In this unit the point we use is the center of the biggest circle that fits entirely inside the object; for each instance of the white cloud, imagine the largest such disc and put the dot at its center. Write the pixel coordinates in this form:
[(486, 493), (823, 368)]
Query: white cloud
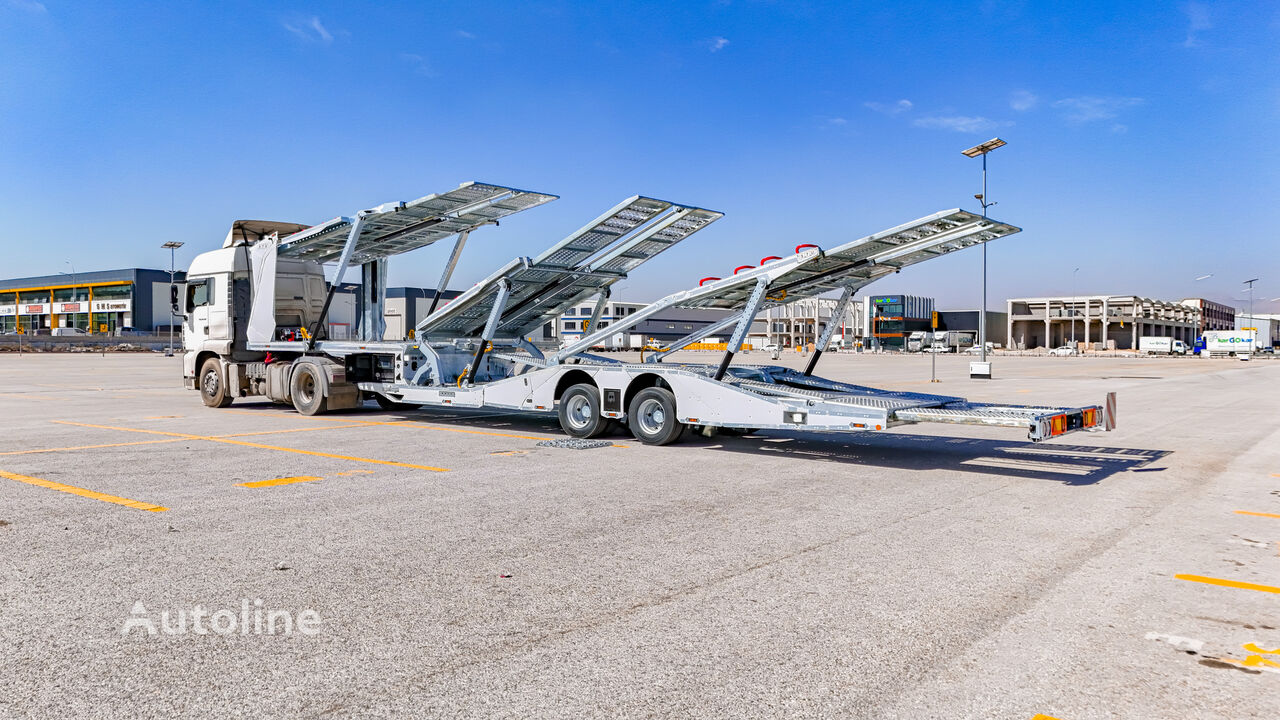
[(1089, 108), (310, 29), (717, 43), (960, 123), (893, 109), (1197, 20), (465, 35), (1023, 100), (418, 63), (30, 6)]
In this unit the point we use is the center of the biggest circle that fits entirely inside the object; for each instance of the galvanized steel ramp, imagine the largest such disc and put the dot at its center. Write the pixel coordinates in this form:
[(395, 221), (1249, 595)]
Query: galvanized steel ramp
[(582, 265), (860, 262), (394, 228)]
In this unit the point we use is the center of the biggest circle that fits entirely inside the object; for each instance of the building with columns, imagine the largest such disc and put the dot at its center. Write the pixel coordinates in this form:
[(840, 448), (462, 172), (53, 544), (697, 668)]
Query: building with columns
[(1101, 322)]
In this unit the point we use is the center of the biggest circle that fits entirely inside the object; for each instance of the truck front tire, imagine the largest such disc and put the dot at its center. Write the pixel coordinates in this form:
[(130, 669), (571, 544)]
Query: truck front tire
[(652, 417), (213, 388), (309, 389)]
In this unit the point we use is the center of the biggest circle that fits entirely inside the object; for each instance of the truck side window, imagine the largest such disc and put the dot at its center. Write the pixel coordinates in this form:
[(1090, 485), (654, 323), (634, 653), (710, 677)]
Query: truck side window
[(197, 294)]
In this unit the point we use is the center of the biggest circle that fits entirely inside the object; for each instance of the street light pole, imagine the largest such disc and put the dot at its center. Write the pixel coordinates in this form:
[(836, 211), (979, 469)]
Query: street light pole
[(1252, 322), (171, 246), (1075, 298), (984, 149)]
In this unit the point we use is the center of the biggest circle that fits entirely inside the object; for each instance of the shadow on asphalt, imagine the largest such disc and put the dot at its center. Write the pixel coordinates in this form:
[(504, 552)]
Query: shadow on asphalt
[(1067, 464)]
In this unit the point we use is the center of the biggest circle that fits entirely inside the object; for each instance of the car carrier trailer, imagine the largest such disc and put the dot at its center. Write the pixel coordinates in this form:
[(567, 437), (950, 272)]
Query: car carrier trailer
[(255, 312)]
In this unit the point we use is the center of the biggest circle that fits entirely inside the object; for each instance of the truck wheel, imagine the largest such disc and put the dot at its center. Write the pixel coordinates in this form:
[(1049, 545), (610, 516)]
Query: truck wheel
[(652, 417), (213, 391), (309, 389), (580, 412)]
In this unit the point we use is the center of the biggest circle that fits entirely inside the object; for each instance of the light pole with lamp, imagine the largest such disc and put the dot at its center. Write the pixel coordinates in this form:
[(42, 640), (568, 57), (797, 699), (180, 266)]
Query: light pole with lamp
[(1075, 298), (982, 368), (1253, 323), (171, 246)]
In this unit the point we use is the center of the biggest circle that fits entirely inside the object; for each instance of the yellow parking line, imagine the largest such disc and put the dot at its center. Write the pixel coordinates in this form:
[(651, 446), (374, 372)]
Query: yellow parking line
[(1043, 717), (1259, 514), (290, 430), (91, 494), (399, 423), (1228, 583), (256, 445), (89, 447), (280, 481)]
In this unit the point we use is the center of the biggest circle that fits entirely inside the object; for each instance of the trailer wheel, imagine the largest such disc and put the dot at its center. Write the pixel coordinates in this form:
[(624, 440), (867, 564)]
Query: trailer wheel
[(652, 417), (213, 391), (309, 389), (580, 412)]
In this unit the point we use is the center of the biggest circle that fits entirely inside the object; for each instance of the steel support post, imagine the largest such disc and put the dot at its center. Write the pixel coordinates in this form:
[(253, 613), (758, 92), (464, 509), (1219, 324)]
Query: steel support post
[(594, 322), (745, 319), (692, 338), (490, 327), (343, 260), (841, 306), (443, 285)]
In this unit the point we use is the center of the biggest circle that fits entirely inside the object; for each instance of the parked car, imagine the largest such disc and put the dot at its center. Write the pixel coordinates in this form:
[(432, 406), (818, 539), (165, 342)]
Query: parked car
[(126, 331), (1063, 351), (68, 331)]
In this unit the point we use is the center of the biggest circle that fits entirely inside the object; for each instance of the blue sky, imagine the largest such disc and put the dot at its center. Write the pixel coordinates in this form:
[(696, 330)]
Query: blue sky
[(1143, 136)]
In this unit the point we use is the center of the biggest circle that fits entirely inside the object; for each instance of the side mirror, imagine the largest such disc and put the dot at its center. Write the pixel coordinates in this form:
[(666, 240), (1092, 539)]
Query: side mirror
[(175, 302)]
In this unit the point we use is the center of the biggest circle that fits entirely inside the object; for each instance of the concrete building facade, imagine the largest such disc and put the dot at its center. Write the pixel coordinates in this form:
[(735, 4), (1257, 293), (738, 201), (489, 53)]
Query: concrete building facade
[(1213, 315), (1101, 322), (802, 322)]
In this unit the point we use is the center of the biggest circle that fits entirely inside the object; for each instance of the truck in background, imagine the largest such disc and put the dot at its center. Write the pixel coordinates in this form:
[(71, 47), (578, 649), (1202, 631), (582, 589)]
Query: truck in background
[(1161, 346), (1228, 343)]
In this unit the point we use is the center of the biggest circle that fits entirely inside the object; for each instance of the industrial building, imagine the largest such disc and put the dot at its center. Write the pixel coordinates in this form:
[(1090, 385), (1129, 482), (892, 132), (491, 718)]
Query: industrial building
[(967, 321), (1213, 315), (100, 302), (800, 323), (1266, 328), (1101, 322), (887, 320)]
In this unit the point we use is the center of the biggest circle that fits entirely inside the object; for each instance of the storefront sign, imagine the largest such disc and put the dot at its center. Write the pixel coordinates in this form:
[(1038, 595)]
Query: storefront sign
[(32, 309), (6, 310), (71, 307), (112, 305)]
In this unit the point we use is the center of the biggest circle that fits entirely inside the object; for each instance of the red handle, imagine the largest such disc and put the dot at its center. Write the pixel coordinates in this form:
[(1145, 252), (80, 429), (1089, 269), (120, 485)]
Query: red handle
[(703, 280), (804, 245), (764, 260), (740, 268)]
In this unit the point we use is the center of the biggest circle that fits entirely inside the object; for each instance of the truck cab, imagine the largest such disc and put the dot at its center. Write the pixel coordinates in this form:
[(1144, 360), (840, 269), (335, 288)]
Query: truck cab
[(218, 301)]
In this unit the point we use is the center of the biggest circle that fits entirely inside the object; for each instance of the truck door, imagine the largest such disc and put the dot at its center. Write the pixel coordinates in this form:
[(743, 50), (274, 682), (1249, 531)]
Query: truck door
[(198, 309)]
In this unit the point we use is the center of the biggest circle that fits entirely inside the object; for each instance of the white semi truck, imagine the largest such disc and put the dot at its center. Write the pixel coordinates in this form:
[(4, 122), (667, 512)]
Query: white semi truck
[(255, 324)]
